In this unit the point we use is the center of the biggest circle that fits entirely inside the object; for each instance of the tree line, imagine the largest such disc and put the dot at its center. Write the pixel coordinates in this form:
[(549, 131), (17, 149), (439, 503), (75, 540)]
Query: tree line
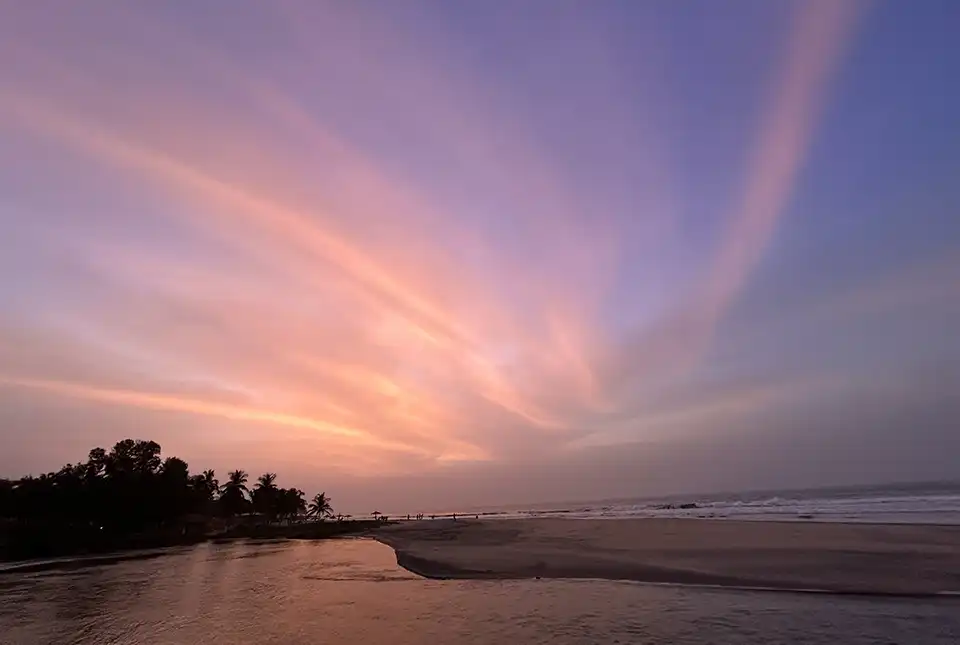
[(132, 491)]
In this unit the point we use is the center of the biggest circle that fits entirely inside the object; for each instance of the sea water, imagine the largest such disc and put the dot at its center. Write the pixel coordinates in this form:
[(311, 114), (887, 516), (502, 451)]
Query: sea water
[(925, 503)]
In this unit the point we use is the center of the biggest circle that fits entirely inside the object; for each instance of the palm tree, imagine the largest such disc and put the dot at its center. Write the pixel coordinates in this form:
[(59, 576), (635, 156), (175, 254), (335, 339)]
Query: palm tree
[(267, 480), (116, 497), (265, 496), (233, 494), (204, 491), (210, 482), (320, 507), (237, 479)]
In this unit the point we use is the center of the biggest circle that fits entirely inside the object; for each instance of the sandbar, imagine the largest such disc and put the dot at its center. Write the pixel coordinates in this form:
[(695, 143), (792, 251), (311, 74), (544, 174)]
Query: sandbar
[(883, 559)]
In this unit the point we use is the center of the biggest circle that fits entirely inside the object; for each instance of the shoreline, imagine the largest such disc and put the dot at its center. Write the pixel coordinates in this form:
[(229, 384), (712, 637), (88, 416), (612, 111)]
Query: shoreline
[(157, 545), (856, 558)]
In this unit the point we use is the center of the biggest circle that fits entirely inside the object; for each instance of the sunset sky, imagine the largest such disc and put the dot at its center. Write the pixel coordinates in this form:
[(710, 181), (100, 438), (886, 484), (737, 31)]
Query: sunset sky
[(438, 254)]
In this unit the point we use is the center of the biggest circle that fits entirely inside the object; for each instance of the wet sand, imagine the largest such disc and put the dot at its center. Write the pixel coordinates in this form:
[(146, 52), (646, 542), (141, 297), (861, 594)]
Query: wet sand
[(842, 558)]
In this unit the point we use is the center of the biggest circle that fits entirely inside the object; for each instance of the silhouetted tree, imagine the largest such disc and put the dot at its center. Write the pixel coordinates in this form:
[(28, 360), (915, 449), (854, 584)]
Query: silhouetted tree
[(208, 482), (290, 503), (320, 507), (204, 490), (174, 496), (233, 495), (130, 496), (265, 496), (6, 498)]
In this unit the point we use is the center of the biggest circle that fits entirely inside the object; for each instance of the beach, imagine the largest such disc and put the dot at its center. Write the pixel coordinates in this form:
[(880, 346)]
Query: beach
[(894, 559)]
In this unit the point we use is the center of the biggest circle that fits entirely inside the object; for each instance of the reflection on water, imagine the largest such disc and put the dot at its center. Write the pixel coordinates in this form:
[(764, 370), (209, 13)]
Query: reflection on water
[(351, 591)]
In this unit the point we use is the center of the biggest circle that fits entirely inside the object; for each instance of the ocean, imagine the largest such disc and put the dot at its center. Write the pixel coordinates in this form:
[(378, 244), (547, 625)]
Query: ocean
[(352, 591), (915, 503)]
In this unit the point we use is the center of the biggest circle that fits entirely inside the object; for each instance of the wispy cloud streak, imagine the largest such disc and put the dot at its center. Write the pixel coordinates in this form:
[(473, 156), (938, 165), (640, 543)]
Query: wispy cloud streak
[(455, 307)]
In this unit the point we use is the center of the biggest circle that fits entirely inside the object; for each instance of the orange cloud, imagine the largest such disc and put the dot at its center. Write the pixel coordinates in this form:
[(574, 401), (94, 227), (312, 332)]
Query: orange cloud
[(418, 318), (177, 404)]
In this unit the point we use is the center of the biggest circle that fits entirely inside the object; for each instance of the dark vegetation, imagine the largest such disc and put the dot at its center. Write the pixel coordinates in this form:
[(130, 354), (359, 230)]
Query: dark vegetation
[(131, 498)]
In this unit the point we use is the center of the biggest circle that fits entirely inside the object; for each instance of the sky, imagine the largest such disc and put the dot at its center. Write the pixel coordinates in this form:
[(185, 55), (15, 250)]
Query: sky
[(427, 255)]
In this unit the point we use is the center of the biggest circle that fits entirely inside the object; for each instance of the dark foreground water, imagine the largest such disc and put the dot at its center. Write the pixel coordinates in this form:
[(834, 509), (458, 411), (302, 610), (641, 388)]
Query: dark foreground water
[(351, 591)]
